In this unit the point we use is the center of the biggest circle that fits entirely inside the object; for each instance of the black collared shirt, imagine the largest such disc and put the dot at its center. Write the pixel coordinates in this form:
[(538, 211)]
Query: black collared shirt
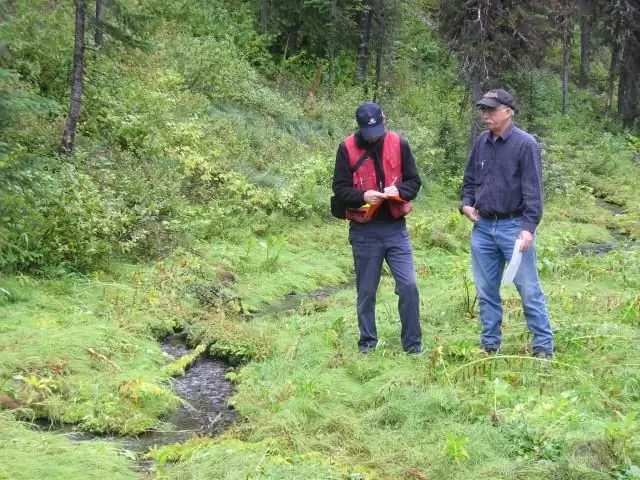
[(353, 198), (504, 176)]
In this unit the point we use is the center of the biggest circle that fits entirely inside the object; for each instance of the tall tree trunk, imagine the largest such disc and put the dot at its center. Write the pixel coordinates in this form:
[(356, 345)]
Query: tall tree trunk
[(585, 37), (332, 49), (265, 12), (613, 66), (476, 94), (622, 83), (380, 45), (475, 62), (365, 33), (99, 35), (292, 40), (69, 135), (566, 52), (629, 82)]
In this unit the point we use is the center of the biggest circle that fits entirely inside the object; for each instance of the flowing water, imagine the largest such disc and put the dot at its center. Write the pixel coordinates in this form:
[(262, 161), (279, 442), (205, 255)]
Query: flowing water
[(204, 390)]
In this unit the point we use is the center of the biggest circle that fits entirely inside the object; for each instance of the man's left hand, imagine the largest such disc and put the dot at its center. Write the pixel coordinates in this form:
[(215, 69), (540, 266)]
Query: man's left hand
[(526, 238), (392, 191)]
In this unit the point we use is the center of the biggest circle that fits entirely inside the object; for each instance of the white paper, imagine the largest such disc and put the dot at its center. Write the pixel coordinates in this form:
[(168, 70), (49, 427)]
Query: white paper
[(514, 264)]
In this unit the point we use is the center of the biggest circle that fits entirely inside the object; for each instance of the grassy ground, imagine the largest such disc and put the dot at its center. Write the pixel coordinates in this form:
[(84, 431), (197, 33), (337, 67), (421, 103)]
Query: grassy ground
[(315, 408), (85, 351), (29, 455)]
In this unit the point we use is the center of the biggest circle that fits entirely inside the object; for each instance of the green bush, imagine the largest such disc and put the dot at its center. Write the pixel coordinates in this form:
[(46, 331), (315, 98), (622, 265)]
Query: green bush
[(55, 214)]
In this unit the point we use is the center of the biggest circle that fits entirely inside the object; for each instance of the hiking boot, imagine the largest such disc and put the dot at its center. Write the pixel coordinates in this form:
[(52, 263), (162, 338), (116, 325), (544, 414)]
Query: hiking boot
[(370, 347), (544, 359), (366, 348), (489, 351), (415, 351)]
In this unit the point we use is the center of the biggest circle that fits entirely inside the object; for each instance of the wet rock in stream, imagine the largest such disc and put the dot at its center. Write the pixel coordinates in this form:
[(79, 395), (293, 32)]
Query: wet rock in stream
[(595, 248)]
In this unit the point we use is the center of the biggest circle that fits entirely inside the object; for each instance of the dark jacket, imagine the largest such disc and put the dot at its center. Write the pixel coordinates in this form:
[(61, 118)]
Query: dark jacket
[(353, 198)]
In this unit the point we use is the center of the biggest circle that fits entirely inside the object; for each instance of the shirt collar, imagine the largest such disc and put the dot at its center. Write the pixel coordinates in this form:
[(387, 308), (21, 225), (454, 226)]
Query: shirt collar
[(505, 136)]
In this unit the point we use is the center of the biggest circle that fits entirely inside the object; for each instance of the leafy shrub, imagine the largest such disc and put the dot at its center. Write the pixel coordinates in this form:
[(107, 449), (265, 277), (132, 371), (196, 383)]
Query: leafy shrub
[(54, 214)]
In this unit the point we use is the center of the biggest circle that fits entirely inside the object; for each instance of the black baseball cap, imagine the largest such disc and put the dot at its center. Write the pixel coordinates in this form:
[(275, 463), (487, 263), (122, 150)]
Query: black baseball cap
[(496, 97), (370, 120)]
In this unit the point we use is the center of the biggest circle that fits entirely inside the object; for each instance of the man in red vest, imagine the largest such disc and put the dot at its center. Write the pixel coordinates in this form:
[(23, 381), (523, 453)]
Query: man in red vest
[(376, 177)]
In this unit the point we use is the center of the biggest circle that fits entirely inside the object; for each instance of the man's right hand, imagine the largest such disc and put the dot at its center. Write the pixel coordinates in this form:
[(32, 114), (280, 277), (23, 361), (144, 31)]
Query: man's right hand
[(373, 196), (471, 213)]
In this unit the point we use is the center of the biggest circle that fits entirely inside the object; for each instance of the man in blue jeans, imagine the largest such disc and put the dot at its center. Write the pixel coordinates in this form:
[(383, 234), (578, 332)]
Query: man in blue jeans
[(376, 172), (502, 196)]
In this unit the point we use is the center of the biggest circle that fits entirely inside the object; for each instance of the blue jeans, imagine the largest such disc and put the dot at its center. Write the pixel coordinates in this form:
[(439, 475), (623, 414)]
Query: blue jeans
[(492, 242), (372, 243)]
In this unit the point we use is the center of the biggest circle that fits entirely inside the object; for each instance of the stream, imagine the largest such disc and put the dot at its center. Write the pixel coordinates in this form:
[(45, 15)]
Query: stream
[(204, 390), (621, 241), (293, 301)]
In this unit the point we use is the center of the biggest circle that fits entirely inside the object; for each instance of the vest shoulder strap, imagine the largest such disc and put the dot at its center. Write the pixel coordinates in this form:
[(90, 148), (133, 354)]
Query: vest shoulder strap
[(360, 162)]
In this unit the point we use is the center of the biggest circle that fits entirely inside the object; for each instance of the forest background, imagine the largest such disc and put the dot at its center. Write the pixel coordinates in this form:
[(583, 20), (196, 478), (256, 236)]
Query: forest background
[(166, 166)]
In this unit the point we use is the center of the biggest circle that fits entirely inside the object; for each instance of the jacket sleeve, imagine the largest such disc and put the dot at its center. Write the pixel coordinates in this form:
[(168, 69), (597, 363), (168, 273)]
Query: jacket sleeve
[(531, 186), (411, 183), (343, 181)]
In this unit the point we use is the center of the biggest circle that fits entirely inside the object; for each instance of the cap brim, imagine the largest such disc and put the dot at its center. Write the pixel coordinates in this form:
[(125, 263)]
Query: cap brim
[(370, 132), (488, 102)]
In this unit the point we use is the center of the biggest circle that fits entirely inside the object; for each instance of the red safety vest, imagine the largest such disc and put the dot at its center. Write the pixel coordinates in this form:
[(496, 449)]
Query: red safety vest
[(365, 177)]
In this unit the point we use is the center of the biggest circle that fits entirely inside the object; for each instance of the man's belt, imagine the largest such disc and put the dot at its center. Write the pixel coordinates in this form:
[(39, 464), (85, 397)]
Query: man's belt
[(500, 216)]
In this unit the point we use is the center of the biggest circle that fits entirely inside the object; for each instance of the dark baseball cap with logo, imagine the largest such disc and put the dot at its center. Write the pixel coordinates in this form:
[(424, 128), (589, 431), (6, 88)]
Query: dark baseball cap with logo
[(497, 97), (370, 120)]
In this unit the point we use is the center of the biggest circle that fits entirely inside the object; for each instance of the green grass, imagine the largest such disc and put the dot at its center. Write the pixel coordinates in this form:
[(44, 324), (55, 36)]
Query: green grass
[(79, 351), (27, 455), (311, 406), (451, 413), (241, 171)]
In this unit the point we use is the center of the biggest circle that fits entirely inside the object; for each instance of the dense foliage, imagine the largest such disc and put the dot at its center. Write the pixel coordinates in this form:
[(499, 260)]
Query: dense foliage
[(188, 123), (195, 198)]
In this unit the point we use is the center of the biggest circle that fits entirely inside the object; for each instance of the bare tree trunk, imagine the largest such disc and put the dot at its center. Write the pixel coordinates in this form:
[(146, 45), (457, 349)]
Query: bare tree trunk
[(265, 9), (629, 83), (380, 45), (585, 36), (476, 94), (613, 66), (365, 33), (292, 39), (99, 35), (622, 82), (566, 52), (332, 49), (475, 63), (69, 135)]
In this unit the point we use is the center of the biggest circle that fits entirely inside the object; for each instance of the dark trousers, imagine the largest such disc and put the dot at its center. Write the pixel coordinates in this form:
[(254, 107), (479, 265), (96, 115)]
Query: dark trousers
[(372, 243)]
